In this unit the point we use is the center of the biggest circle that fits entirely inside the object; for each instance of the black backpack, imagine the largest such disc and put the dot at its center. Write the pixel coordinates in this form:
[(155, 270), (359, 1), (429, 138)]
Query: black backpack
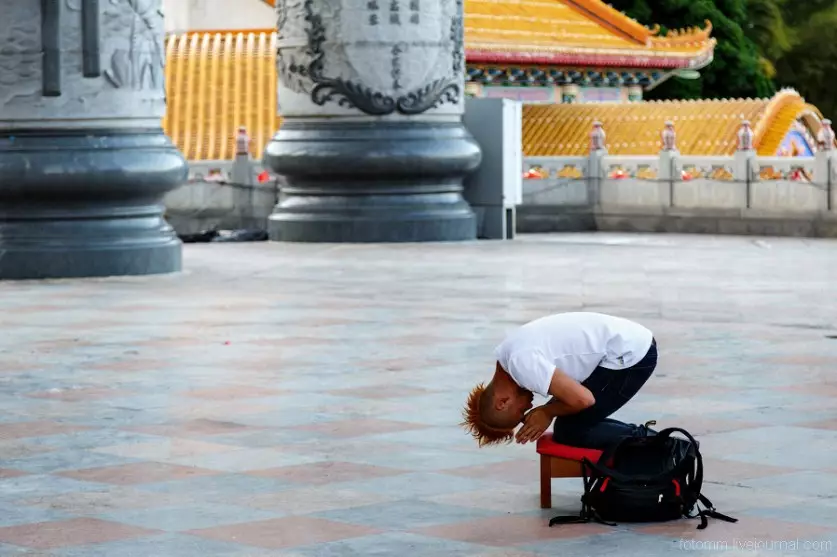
[(645, 479)]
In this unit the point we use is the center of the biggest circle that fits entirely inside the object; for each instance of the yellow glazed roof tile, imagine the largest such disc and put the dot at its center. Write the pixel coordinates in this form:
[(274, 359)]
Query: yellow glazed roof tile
[(703, 127), (584, 32), (216, 82)]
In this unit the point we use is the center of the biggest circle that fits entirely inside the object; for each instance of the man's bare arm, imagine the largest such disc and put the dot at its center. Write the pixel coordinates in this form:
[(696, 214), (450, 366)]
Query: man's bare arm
[(569, 396), (556, 408)]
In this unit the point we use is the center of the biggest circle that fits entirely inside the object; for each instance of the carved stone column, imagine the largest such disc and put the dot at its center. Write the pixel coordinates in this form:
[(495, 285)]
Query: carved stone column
[(84, 162), (372, 144)]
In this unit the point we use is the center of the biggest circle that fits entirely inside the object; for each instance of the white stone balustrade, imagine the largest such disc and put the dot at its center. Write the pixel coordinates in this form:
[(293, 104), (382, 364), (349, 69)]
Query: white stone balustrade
[(742, 188), (557, 180)]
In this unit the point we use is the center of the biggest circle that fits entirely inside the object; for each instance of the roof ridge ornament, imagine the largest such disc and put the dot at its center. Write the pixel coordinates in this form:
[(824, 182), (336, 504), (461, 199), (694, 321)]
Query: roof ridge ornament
[(684, 35)]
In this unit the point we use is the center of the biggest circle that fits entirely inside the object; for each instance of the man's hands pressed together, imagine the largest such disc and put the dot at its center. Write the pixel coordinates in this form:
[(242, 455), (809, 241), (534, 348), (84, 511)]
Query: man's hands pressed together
[(535, 424), (568, 397)]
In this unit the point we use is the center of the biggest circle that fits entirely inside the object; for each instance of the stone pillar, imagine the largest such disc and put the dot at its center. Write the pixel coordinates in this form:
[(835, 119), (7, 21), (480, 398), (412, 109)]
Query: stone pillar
[(84, 162), (372, 146)]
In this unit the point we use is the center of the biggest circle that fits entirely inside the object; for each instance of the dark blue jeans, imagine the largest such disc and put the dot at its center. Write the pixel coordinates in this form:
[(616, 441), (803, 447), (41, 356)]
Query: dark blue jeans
[(593, 428)]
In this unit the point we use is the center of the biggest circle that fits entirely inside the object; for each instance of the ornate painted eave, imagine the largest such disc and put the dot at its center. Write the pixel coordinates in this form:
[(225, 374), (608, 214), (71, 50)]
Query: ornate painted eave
[(597, 58), (535, 76)]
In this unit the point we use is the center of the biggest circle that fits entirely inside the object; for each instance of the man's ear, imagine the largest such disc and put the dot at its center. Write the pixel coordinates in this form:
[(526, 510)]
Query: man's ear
[(501, 402)]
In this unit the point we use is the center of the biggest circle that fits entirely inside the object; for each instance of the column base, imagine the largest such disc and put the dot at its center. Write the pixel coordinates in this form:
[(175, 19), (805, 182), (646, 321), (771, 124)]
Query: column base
[(373, 218), (87, 262), (372, 182), (87, 204)]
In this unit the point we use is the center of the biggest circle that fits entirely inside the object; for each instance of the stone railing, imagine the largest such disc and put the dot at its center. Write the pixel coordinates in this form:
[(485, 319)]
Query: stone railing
[(225, 194), (742, 194)]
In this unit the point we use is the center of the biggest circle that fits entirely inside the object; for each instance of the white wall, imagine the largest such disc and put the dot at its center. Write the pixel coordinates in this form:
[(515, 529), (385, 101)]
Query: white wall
[(190, 15)]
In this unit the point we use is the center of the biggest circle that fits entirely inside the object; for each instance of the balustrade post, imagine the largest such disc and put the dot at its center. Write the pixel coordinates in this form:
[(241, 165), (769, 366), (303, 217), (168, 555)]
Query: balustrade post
[(242, 143), (242, 167), (744, 158), (668, 159), (596, 171), (824, 162)]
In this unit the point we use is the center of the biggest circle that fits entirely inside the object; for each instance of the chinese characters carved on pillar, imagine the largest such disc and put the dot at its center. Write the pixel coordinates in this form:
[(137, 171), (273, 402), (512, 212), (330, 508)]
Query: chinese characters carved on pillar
[(394, 12), (414, 11), (373, 7)]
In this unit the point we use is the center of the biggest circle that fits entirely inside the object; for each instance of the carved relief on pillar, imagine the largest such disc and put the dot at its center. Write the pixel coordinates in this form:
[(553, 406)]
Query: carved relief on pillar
[(85, 62), (370, 57)]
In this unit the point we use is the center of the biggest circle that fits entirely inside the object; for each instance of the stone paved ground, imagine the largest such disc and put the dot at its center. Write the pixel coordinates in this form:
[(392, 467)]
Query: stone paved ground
[(304, 400)]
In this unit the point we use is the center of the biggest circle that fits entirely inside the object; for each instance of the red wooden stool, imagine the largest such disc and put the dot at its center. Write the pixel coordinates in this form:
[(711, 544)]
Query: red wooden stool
[(560, 461)]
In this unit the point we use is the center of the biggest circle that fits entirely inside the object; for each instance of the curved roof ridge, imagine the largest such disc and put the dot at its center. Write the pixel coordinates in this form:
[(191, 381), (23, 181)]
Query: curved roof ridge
[(781, 100), (614, 17), (784, 108)]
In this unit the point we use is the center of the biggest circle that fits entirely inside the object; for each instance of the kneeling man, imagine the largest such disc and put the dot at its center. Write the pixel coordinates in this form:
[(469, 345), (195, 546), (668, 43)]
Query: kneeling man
[(591, 364)]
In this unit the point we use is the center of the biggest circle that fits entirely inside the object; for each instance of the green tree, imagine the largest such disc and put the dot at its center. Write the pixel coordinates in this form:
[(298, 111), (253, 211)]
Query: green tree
[(768, 29), (739, 68), (811, 62), (798, 14)]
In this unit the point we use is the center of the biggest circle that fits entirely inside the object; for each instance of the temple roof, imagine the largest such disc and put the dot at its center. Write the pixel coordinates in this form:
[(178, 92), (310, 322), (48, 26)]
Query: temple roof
[(217, 81), (703, 127), (576, 32)]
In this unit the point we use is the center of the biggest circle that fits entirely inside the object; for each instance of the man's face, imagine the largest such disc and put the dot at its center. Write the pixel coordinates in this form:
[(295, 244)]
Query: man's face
[(524, 403)]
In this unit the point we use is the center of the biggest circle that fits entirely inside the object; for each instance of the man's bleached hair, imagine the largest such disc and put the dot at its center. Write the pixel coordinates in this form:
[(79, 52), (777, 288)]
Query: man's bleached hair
[(478, 404)]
